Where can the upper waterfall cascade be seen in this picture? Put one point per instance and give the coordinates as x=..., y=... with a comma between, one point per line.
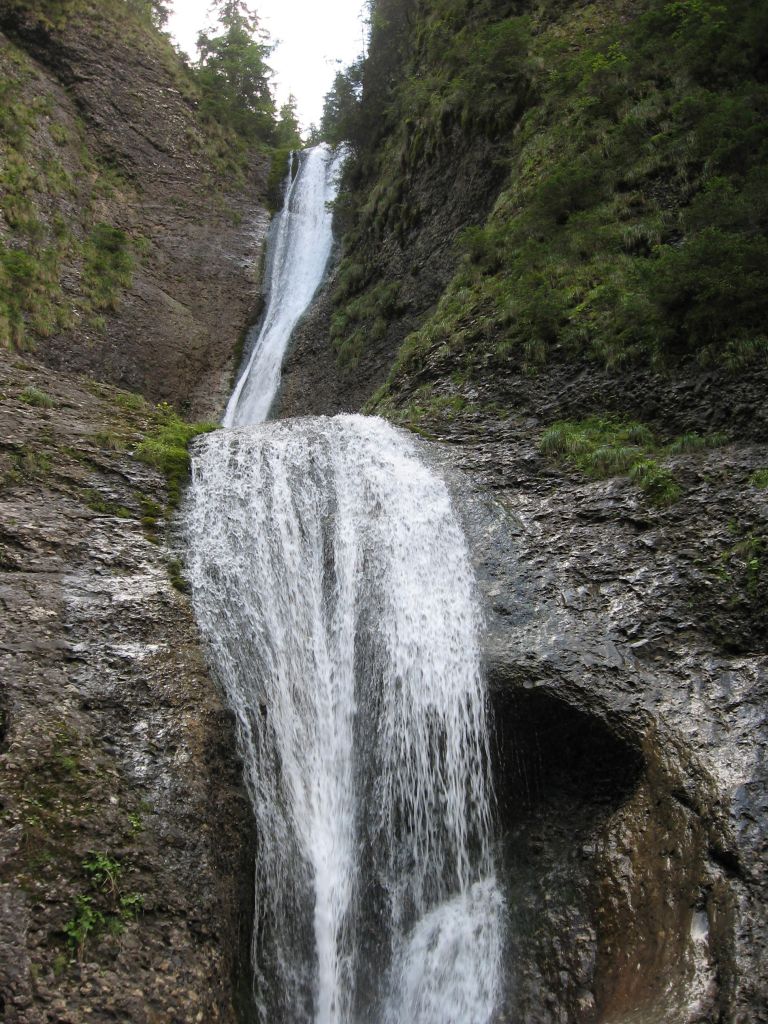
x=333, y=582
x=298, y=253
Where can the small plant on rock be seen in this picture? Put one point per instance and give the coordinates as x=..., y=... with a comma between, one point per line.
x=86, y=921
x=36, y=397
x=166, y=447
x=104, y=872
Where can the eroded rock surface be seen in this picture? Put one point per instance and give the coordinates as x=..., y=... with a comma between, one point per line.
x=629, y=730
x=115, y=747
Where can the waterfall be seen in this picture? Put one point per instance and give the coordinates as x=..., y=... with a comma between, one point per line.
x=299, y=248
x=332, y=581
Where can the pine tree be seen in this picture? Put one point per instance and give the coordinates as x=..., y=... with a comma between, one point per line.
x=233, y=72
x=161, y=12
x=288, y=132
x=341, y=106
x=156, y=11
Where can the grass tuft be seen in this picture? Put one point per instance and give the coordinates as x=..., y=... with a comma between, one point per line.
x=656, y=482
x=40, y=399
x=166, y=448
x=604, y=448
x=694, y=442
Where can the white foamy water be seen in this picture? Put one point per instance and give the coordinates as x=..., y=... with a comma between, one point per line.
x=300, y=245
x=332, y=581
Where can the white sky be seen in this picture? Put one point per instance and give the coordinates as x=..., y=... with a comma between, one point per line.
x=312, y=35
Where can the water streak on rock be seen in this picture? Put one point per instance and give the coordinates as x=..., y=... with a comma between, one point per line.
x=299, y=248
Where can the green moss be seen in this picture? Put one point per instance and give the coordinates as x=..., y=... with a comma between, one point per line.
x=98, y=503
x=759, y=479
x=176, y=576
x=603, y=448
x=151, y=514
x=27, y=463
x=166, y=448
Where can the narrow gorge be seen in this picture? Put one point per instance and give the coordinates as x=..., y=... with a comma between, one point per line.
x=430, y=686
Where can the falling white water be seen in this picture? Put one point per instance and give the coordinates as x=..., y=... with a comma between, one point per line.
x=332, y=580
x=299, y=248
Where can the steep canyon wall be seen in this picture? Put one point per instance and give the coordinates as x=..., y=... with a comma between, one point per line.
x=130, y=247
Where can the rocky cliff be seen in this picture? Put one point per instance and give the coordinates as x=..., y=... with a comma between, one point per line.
x=124, y=859
x=130, y=243
x=552, y=262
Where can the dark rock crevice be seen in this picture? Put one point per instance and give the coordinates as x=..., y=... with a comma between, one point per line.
x=614, y=912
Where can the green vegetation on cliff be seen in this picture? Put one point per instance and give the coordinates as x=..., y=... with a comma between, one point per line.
x=166, y=447
x=69, y=245
x=50, y=187
x=631, y=227
x=61, y=264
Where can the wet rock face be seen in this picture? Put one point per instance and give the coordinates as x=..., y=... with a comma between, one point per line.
x=124, y=859
x=629, y=740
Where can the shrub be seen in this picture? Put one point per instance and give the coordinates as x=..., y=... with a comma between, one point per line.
x=714, y=287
